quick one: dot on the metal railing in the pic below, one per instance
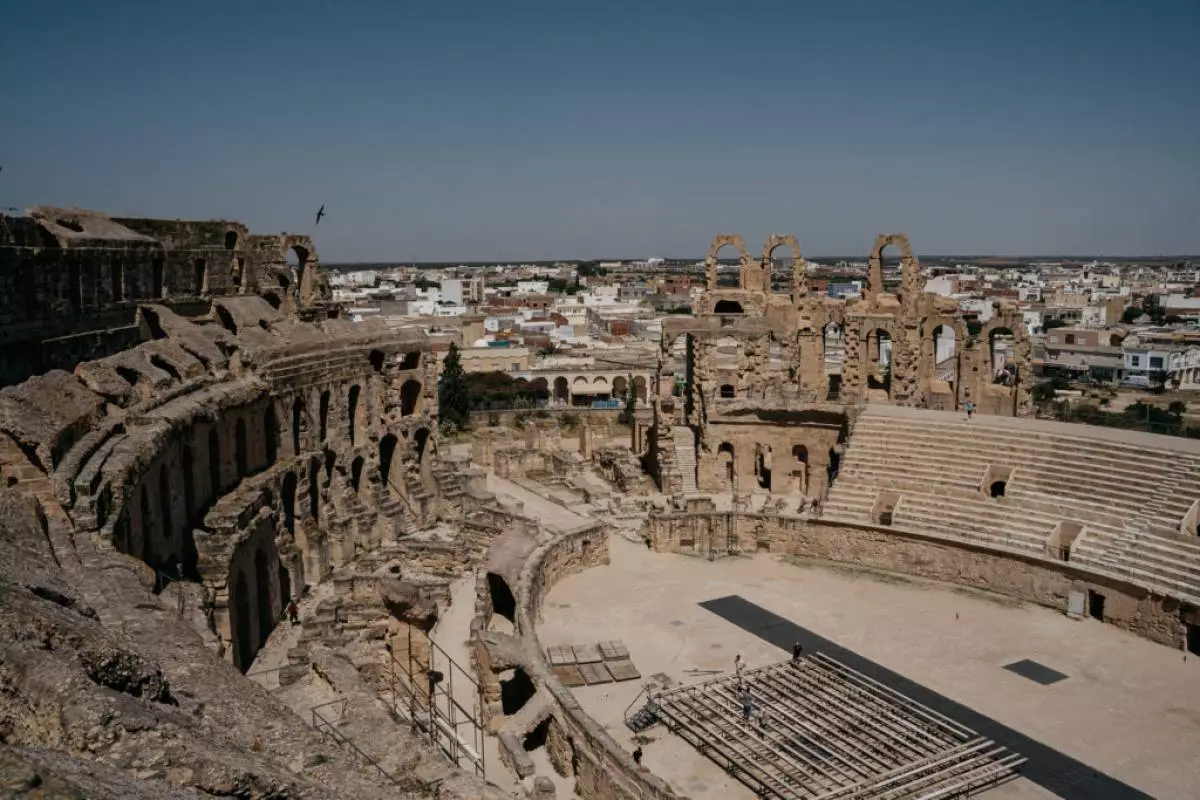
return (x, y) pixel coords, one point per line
(329, 728)
(425, 695)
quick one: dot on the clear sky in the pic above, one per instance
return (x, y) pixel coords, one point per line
(505, 129)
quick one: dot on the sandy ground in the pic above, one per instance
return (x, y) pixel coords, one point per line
(1129, 707)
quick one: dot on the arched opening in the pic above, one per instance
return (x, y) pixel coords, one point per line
(516, 689)
(727, 307)
(879, 356)
(945, 352)
(411, 360)
(620, 388)
(727, 391)
(324, 416)
(725, 462)
(240, 449)
(214, 462)
(289, 502)
(639, 387)
(168, 528)
(997, 488)
(410, 393)
(540, 390)
(503, 602)
(781, 268)
(352, 410)
(800, 468)
(376, 358)
(271, 433)
(419, 440)
(231, 240)
(537, 737)
(561, 391)
(157, 290)
(297, 412)
(387, 450)
(262, 596)
(729, 275)
(833, 354)
(243, 646)
(314, 489)
(762, 466)
(273, 299)
(1114, 340)
(330, 462)
(1000, 350)
(356, 468)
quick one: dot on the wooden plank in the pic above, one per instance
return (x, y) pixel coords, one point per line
(614, 650)
(623, 670)
(569, 675)
(559, 656)
(595, 673)
(586, 653)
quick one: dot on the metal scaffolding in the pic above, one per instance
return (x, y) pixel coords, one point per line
(818, 729)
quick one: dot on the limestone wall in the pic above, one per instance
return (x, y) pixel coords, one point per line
(1036, 580)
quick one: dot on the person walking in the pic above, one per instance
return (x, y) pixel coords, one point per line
(637, 755)
(747, 705)
(293, 612)
(739, 666)
(797, 651)
(970, 409)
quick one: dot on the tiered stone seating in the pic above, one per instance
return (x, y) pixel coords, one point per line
(1130, 496)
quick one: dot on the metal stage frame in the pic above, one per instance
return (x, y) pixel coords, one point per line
(820, 730)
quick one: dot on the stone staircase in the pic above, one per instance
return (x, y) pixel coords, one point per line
(1129, 498)
(685, 458)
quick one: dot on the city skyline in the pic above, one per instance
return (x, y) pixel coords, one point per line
(537, 131)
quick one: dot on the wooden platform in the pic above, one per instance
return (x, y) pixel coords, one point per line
(820, 729)
(588, 664)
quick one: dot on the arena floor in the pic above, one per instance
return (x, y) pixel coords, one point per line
(1127, 708)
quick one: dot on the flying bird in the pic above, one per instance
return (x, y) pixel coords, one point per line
(320, 213)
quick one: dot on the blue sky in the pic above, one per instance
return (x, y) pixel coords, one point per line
(447, 129)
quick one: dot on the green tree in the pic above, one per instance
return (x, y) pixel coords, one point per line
(1177, 408)
(630, 402)
(1051, 324)
(1130, 314)
(454, 401)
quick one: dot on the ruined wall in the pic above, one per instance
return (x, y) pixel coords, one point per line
(71, 280)
(1036, 580)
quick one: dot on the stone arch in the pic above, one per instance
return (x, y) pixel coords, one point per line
(410, 394)
(231, 239)
(728, 307)
(879, 361)
(356, 469)
(420, 443)
(288, 501)
(323, 428)
(580, 380)
(239, 623)
(600, 380)
(796, 282)
(909, 269)
(799, 468)
(727, 465)
(271, 433)
(561, 390)
(710, 262)
(1001, 343)
(262, 597)
(352, 411)
(387, 453)
(620, 387)
(376, 357)
(763, 464)
(639, 387)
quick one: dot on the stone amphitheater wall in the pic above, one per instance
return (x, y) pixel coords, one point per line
(1042, 581)
(576, 744)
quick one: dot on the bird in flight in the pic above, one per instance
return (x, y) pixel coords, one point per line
(320, 213)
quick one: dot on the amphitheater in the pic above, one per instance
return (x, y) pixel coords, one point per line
(195, 437)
